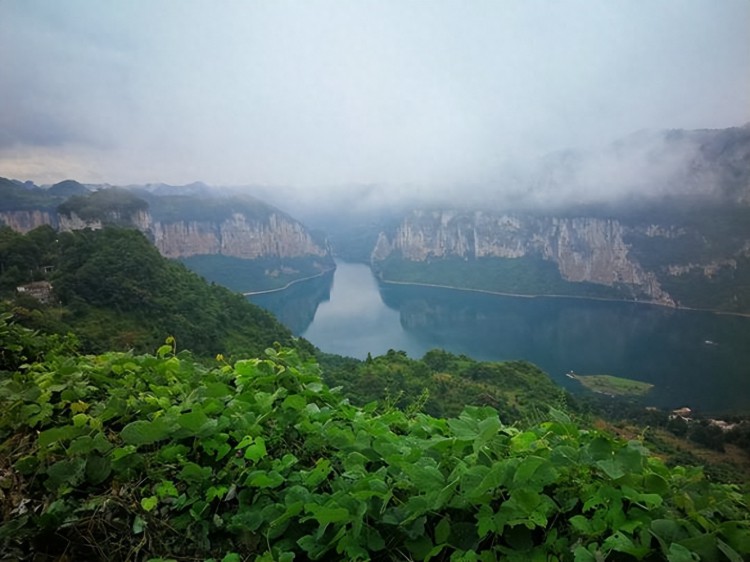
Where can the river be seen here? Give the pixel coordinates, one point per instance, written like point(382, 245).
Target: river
point(695, 359)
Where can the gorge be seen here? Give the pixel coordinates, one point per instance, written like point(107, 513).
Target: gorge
point(694, 359)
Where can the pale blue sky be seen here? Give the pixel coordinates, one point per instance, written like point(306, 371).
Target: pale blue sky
point(327, 92)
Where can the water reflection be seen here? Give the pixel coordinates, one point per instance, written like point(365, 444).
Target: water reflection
point(296, 306)
point(697, 359)
point(355, 322)
point(694, 358)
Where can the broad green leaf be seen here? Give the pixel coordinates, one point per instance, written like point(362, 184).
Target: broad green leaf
point(69, 472)
point(256, 450)
point(246, 367)
point(171, 452)
point(442, 531)
point(192, 421)
point(425, 474)
point(581, 524)
point(142, 432)
point(81, 445)
point(667, 530)
point(472, 478)
point(325, 515)
point(525, 471)
point(622, 543)
point(317, 474)
point(630, 458)
point(149, 503)
point(493, 478)
point(294, 402)
point(485, 521)
point(656, 483)
point(487, 429)
point(58, 434)
point(192, 472)
point(523, 441)
point(525, 498)
point(218, 390)
point(263, 479)
point(98, 469)
point(582, 554)
point(420, 547)
point(284, 463)
point(600, 449)
point(312, 546)
point(611, 468)
point(678, 553)
point(737, 534)
point(26, 465)
point(166, 489)
point(463, 429)
point(729, 552)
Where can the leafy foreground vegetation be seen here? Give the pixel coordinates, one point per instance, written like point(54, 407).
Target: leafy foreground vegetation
point(123, 456)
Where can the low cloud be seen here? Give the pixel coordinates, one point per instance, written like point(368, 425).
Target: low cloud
point(416, 101)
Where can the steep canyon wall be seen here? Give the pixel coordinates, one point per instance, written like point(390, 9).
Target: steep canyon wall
point(275, 235)
point(584, 249)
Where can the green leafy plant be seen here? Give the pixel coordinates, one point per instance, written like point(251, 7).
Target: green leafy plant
point(123, 456)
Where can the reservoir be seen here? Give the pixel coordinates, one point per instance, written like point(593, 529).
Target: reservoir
point(695, 359)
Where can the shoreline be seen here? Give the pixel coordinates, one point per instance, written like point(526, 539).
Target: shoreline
point(294, 282)
point(555, 296)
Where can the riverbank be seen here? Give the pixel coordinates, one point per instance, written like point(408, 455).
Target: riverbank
point(555, 296)
point(294, 282)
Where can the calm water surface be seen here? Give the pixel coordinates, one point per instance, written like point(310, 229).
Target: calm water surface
point(697, 359)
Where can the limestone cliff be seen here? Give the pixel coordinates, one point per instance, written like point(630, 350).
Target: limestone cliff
point(275, 235)
point(180, 226)
point(26, 220)
point(584, 249)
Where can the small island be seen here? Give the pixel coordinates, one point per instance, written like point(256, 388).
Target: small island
point(611, 385)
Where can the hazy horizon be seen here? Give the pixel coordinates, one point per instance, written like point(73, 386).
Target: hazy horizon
point(405, 97)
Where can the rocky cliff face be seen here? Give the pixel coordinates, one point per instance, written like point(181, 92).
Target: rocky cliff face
point(237, 236)
point(26, 220)
point(275, 235)
point(584, 249)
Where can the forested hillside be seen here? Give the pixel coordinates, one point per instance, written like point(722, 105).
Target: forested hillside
point(115, 292)
point(442, 383)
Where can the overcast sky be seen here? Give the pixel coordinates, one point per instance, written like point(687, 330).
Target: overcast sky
point(315, 92)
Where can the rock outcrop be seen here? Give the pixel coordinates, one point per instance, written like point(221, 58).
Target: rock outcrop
point(237, 236)
point(25, 220)
point(241, 235)
point(585, 249)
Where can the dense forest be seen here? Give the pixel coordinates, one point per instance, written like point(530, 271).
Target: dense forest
point(114, 290)
point(145, 414)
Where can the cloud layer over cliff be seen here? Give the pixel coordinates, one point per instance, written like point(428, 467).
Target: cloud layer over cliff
point(415, 96)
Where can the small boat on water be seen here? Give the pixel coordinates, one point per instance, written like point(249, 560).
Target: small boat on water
point(570, 375)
